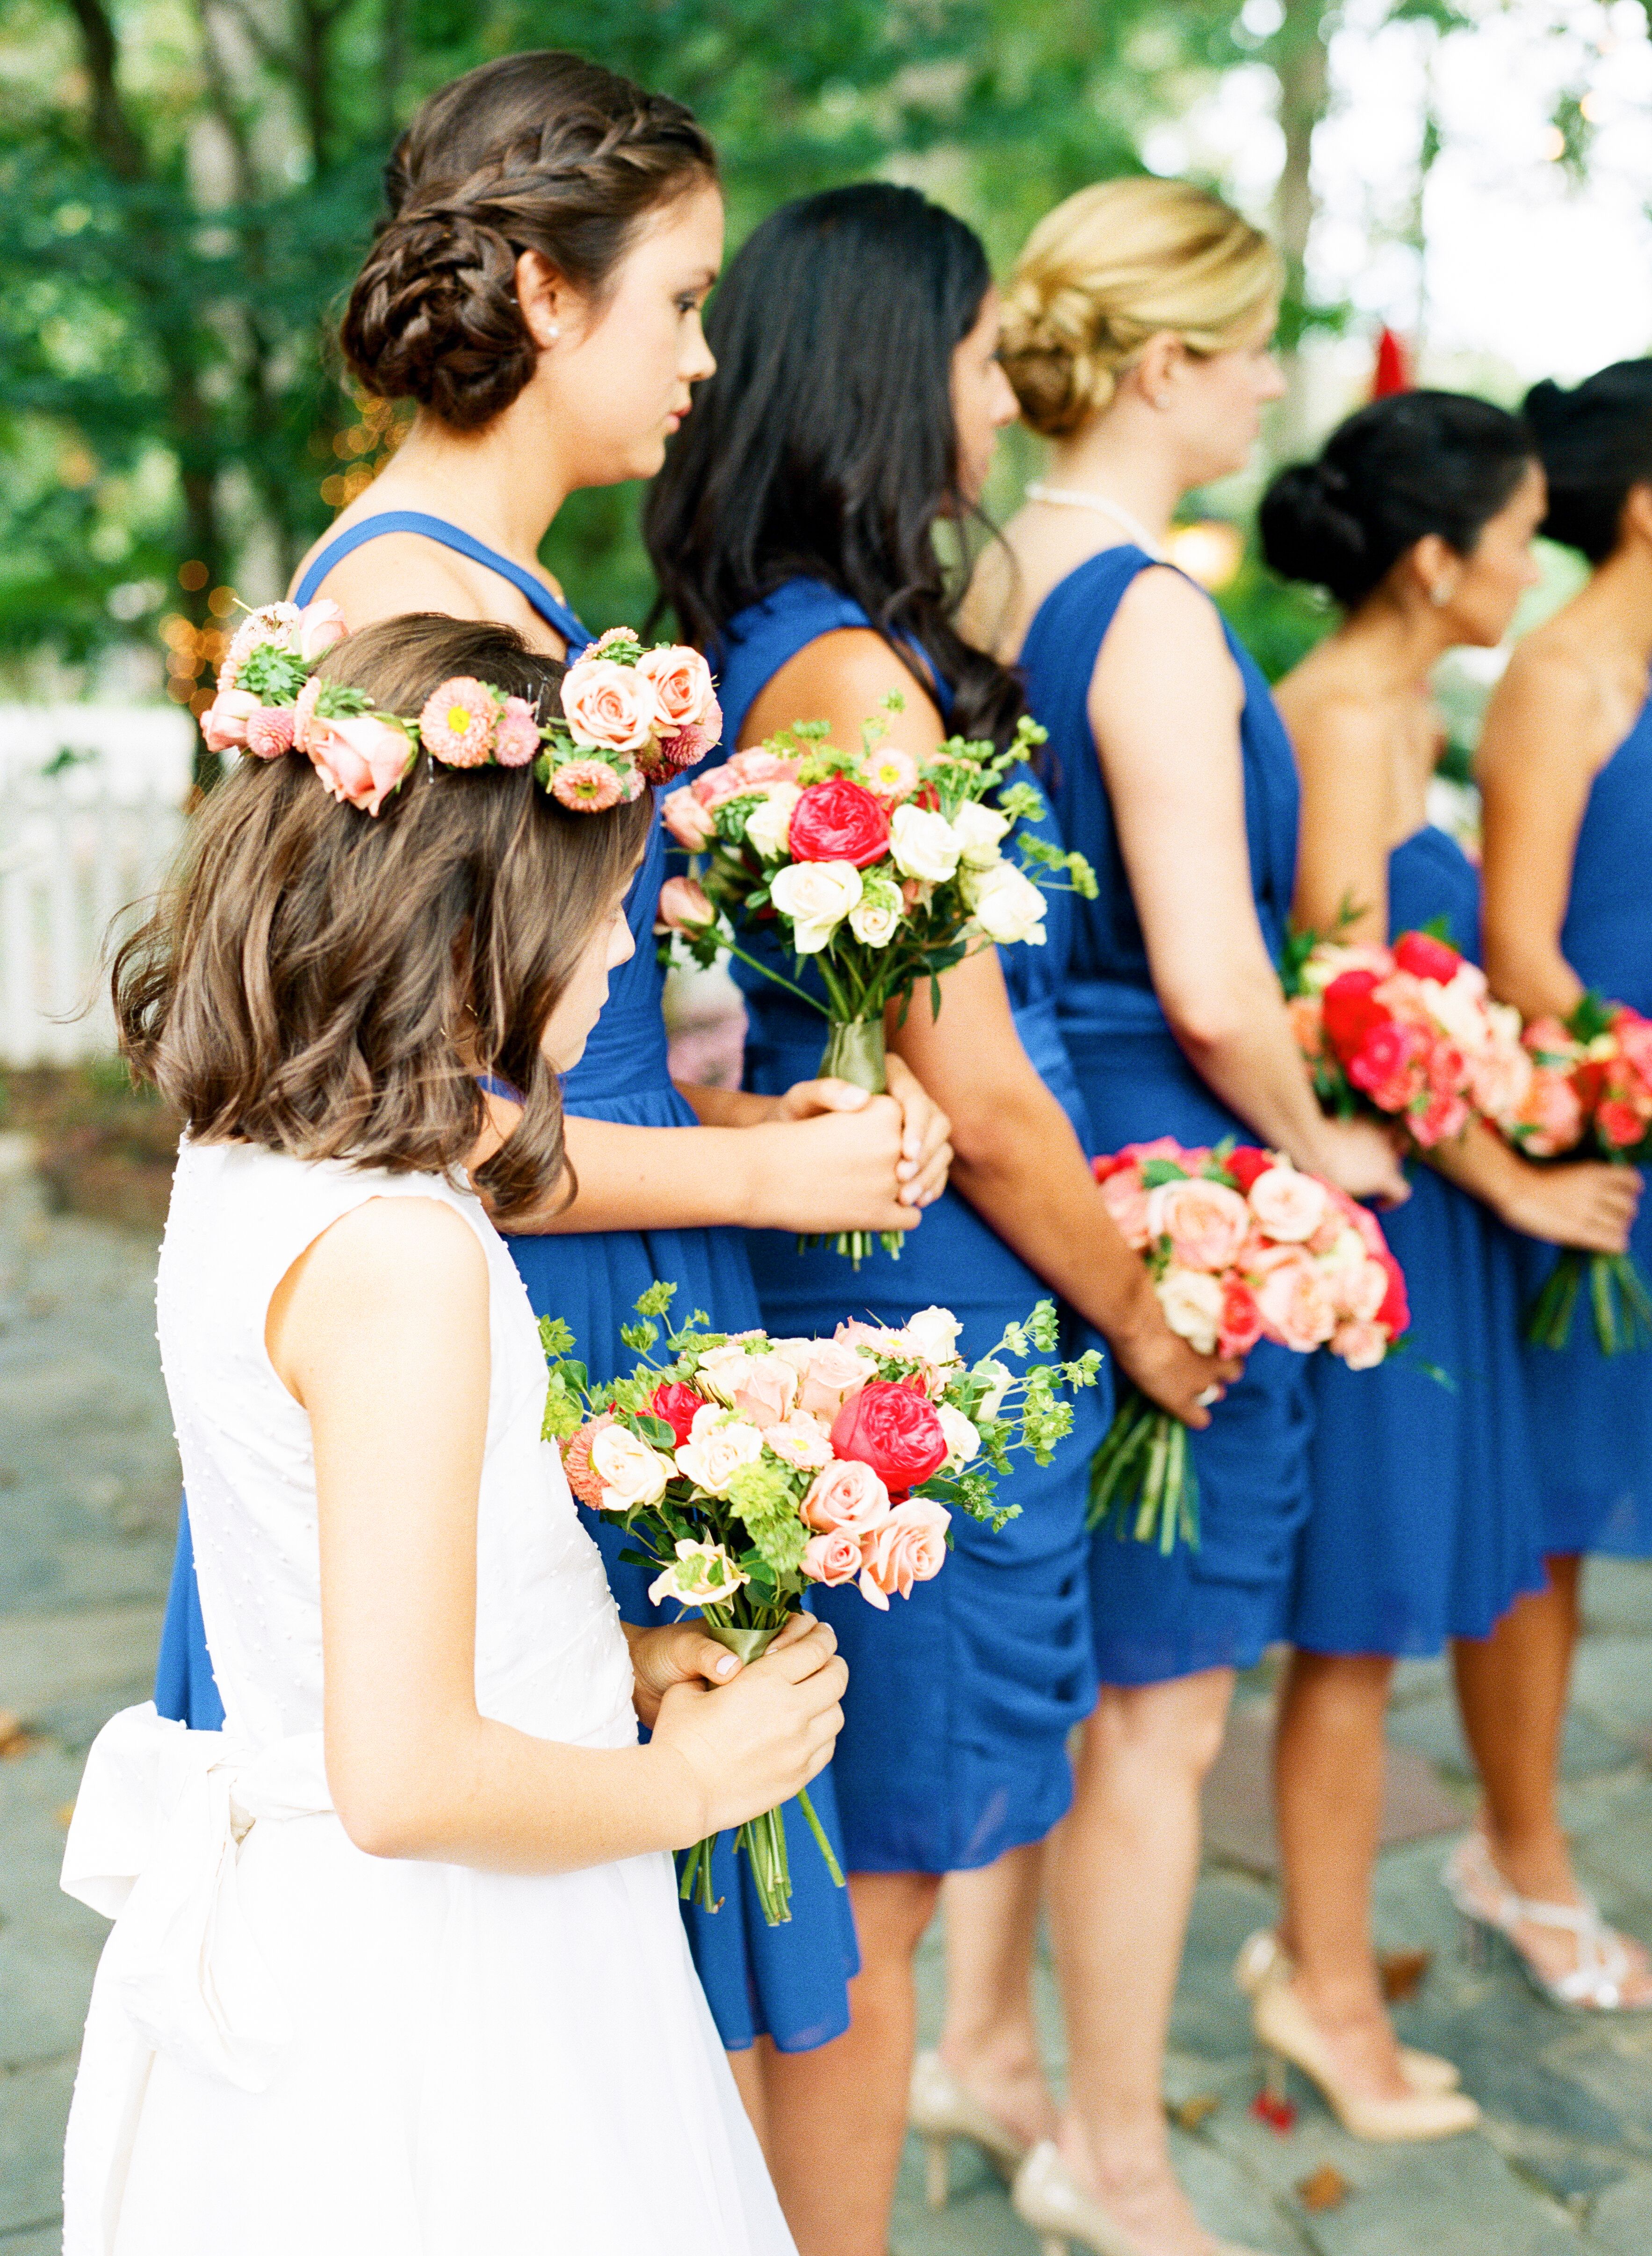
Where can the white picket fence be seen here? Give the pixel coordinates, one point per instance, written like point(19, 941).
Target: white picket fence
point(91, 800)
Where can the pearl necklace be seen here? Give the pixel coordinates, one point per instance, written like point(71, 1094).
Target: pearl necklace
point(1074, 497)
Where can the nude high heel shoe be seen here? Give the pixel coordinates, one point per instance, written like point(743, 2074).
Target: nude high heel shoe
point(941, 2109)
point(1049, 2199)
point(1286, 2034)
point(1424, 2071)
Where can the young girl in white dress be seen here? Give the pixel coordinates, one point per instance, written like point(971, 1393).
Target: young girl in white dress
point(397, 1968)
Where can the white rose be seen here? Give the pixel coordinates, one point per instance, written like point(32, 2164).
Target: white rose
point(1002, 1377)
point(934, 1332)
point(963, 1442)
point(718, 1445)
point(703, 1574)
point(979, 829)
point(719, 1372)
point(816, 897)
point(875, 917)
point(630, 1472)
point(1192, 1305)
point(1005, 904)
point(768, 827)
point(924, 843)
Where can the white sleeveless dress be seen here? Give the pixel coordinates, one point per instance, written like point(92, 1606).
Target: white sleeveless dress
point(293, 2046)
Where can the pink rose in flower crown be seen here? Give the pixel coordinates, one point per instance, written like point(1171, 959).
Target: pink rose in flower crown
point(319, 625)
point(683, 907)
point(894, 1430)
point(224, 723)
point(1293, 1299)
point(846, 1493)
point(610, 707)
point(1206, 1223)
point(909, 1546)
point(682, 685)
point(1288, 1205)
point(689, 821)
point(832, 1558)
point(359, 760)
point(1124, 1194)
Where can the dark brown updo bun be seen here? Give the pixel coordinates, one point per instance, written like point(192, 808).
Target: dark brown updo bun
point(539, 151)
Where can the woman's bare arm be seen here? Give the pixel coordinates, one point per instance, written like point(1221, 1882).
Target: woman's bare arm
point(1342, 856)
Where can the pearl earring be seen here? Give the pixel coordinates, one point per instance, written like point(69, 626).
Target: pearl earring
point(553, 333)
point(1439, 594)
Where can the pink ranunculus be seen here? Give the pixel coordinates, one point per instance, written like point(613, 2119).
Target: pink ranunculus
point(270, 732)
point(1634, 1040)
point(832, 1558)
point(610, 707)
point(224, 723)
point(359, 760)
point(835, 1368)
point(1444, 1116)
point(1390, 1064)
point(517, 740)
point(1125, 1197)
point(1362, 1346)
point(683, 907)
point(846, 1493)
point(1206, 1223)
point(1293, 1299)
point(318, 626)
point(908, 1547)
point(682, 685)
point(1288, 1205)
point(689, 822)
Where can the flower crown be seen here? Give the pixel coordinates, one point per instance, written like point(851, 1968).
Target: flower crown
point(630, 715)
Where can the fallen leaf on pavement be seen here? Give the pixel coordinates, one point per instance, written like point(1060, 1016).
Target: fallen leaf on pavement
point(1326, 2189)
point(1403, 1972)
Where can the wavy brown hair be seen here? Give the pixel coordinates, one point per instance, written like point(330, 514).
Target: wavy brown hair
point(301, 981)
point(540, 151)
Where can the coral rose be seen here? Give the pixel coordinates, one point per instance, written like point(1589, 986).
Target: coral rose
point(909, 1546)
point(1293, 1299)
point(1125, 1196)
point(831, 1370)
point(832, 1558)
point(359, 760)
point(839, 821)
point(760, 765)
point(610, 707)
point(682, 685)
point(690, 823)
point(1288, 1205)
point(1360, 1346)
point(893, 1429)
point(224, 723)
point(1206, 1223)
point(845, 1494)
point(683, 907)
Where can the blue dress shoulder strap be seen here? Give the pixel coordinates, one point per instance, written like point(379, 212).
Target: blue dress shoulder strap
point(550, 609)
point(758, 641)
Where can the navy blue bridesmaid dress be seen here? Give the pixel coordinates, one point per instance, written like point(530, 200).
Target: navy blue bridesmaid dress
point(960, 1698)
point(1591, 1414)
point(789, 1982)
point(1220, 1605)
point(1424, 1523)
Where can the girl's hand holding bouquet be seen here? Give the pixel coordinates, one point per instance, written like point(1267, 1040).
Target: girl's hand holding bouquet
point(881, 870)
point(746, 1468)
point(1241, 1246)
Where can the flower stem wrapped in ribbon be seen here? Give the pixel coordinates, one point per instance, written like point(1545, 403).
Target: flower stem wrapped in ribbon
point(1241, 1246)
point(746, 1468)
point(1589, 1090)
point(879, 871)
point(629, 716)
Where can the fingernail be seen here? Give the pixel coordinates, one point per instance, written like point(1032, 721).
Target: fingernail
point(726, 1664)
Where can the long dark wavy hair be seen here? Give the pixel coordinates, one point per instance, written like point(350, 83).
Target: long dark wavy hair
point(825, 445)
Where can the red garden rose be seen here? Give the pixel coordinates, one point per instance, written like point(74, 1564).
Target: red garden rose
point(893, 1429)
point(839, 822)
point(1425, 957)
point(676, 1404)
point(1348, 1013)
point(1244, 1163)
point(1395, 1315)
point(1242, 1318)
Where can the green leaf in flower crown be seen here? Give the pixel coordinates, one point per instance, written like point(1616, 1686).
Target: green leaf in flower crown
point(657, 1300)
point(556, 1337)
point(338, 700)
point(273, 674)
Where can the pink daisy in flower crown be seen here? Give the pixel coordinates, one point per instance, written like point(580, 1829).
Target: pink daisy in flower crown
point(517, 740)
point(460, 722)
point(588, 786)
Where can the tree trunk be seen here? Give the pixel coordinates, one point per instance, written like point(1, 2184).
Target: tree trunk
point(1297, 53)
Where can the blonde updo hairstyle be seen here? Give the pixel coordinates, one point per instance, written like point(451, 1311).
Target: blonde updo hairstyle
point(1111, 267)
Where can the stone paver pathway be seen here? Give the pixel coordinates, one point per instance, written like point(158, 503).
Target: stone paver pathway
point(87, 1503)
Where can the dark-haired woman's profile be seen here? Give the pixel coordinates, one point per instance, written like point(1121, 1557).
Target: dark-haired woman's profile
point(1565, 766)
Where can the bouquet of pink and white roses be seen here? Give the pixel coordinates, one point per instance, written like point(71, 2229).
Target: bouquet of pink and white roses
point(1588, 1089)
point(1408, 1032)
point(1241, 1246)
point(880, 870)
point(746, 1468)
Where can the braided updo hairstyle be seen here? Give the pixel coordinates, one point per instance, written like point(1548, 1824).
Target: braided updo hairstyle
point(1111, 267)
point(540, 152)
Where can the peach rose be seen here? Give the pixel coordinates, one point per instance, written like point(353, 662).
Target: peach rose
point(630, 1472)
point(834, 1370)
point(682, 685)
point(1362, 1346)
point(224, 723)
point(1206, 1223)
point(1125, 1197)
point(759, 765)
point(318, 626)
point(683, 907)
point(1290, 1206)
point(688, 821)
point(1359, 1291)
point(766, 1390)
point(800, 1439)
point(610, 707)
point(846, 1493)
point(718, 1444)
point(909, 1546)
point(832, 1558)
point(1293, 1299)
point(1193, 1304)
point(359, 760)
